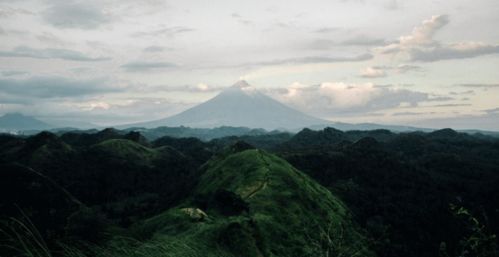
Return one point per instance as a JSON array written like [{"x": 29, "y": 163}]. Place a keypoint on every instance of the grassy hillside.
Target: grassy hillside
[
  {"x": 255, "y": 204},
  {"x": 126, "y": 150},
  {"x": 409, "y": 194}
]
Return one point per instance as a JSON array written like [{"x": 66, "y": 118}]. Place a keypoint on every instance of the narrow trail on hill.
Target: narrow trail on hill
[{"x": 266, "y": 178}]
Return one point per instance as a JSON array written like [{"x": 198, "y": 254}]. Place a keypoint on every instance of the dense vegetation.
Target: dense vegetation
[{"x": 315, "y": 193}]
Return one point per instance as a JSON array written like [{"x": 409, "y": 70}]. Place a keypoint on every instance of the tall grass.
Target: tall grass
[{"x": 20, "y": 237}]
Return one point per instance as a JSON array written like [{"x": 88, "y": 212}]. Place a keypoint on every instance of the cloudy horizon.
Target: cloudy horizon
[{"x": 421, "y": 63}]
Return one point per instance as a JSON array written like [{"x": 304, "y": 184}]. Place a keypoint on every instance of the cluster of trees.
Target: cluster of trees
[
  {"x": 413, "y": 194},
  {"x": 400, "y": 186}
]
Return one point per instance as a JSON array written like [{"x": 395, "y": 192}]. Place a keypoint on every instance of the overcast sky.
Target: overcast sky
[{"x": 427, "y": 63}]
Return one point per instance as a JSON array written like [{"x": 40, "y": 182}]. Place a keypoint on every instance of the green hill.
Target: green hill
[
  {"x": 253, "y": 203},
  {"x": 126, "y": 150}
]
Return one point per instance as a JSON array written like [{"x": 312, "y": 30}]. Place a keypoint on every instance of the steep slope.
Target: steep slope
[
  {"x": 239, "y": 105},
  {"x": 253, "y": 203},
  {"x": 18, "y": 122}
]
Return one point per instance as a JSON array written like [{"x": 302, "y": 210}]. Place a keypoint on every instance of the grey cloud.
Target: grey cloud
[
  {"x": 155, "y": 49},
  {"x": 54, "y": 87},
  {"x": 240, "y": 19},
  {"x": 283, "y": 25},
  {"x": 363, "y": 40},
  {"x": 6, "y": 11},
  {"x": 147, "y": 66},
  {"x": 483, "y": 86},
  {"x": 392, "y": 5},
  {"x": 4, "y": 32},
  {"x": 6, "y": 99},
  {"x": 10, "y": 73},
  {"x": 187, "y": 88},
  {"x": 374, "y": 114},
  {"x": 50, "y": 53},
  {"x": 298, "y": 60},
  {"x": 468, "y": 92},
  {"x": 327, "y": 30},
  {"x": 451, "y": 105},
  {"x": 440, "y": 99},
  {"x": 494, "y": 110},
  {"x": 384, "y": 86},
  {"x": 411, "y": 113},
  {"x": 403, "y": 68},
  {"x": 315, "y": 59},
  {"x": 458, "y": 51},
  {"x": 75, "y": 14},
  {"x": 245, "y": 22},
  {"x": 164, "y": 31},
  {"x": 51, "y": 39},
  {"x": 353, "y": 1},
  {"x": 322, "y": 44}
]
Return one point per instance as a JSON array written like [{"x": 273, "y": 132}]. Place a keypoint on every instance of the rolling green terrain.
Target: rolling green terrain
[
  {"x": 316, "y": 193},
  {"x": 253, "y": 203}
]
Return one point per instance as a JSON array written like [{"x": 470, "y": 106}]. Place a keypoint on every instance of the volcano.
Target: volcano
[{"x": 240, "y": 105}]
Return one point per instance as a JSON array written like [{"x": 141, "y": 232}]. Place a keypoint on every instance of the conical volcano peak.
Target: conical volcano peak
[
  {"x": 241, "y": 84},
  {"x": 239, "y": 105}
]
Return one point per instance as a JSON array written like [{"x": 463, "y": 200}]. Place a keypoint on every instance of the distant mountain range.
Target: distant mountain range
[
  {"x": 17, "y": 121},
  {"x": 240, "y": 106}
]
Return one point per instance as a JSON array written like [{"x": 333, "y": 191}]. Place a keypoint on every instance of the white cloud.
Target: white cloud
[
  {"x": 423, "y": 34},
  {"x": 421, "y": 46},
  {"x": 90, "y": 106},
  {"x": 372, "y": 72},
  {"x": 344, "y": 95},
  {"x": 339, "y": 98},
  {"x": 420, "y": 36}
]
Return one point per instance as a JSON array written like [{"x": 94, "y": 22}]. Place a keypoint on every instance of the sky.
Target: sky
[{"x": 426, "y": 63}]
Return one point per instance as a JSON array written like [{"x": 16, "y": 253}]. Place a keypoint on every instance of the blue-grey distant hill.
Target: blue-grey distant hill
[{"x": 20, "y": 122}]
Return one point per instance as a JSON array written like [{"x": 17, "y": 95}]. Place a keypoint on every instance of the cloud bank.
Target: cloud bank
[
  {"x": 421, "y": 46},
  {"x": 51, "y": 53}
]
